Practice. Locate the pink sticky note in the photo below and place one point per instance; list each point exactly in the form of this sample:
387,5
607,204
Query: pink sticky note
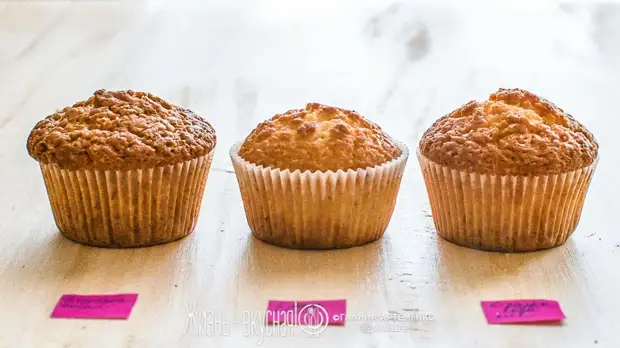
317,312
95,306
521,311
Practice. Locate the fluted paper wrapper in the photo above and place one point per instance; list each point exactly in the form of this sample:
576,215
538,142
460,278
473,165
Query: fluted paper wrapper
505,212
318,210
127,208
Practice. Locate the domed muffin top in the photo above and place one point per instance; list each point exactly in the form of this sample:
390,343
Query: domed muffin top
319,138
120,130
513,133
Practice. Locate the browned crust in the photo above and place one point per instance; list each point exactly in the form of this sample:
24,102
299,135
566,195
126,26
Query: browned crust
320,138
120,130
513,133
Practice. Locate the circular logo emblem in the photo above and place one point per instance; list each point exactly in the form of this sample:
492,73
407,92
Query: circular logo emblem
313,319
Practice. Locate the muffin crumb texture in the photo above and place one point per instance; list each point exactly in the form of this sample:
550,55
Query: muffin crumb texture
120,130
513,133
319,138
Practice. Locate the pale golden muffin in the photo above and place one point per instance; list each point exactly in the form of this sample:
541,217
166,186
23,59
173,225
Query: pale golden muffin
319,178
124,168
321,138
507,174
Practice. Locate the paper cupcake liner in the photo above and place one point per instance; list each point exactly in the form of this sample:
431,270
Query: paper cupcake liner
127,208
318,210
505,212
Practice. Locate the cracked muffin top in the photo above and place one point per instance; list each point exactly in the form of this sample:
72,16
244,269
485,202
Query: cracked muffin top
319,138
120,130
513,133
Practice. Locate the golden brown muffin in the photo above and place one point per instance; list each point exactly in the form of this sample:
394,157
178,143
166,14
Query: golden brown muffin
514,132
320,138
319,178
124,169
120,130
507,174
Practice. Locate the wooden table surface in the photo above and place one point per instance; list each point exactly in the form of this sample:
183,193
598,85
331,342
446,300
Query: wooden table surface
237,63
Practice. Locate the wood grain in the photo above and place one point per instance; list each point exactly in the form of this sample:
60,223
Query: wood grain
402,64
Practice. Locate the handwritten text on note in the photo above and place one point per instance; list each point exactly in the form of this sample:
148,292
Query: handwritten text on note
522,311
95,306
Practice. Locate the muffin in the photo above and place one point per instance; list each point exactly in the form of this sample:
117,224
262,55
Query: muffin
124,169
318,178
508,174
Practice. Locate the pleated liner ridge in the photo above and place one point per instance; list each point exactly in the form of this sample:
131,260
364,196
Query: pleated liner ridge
505,212
319,210
127,208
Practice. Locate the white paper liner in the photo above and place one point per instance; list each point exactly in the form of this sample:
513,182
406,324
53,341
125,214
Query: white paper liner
505,212
319,210
127,208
